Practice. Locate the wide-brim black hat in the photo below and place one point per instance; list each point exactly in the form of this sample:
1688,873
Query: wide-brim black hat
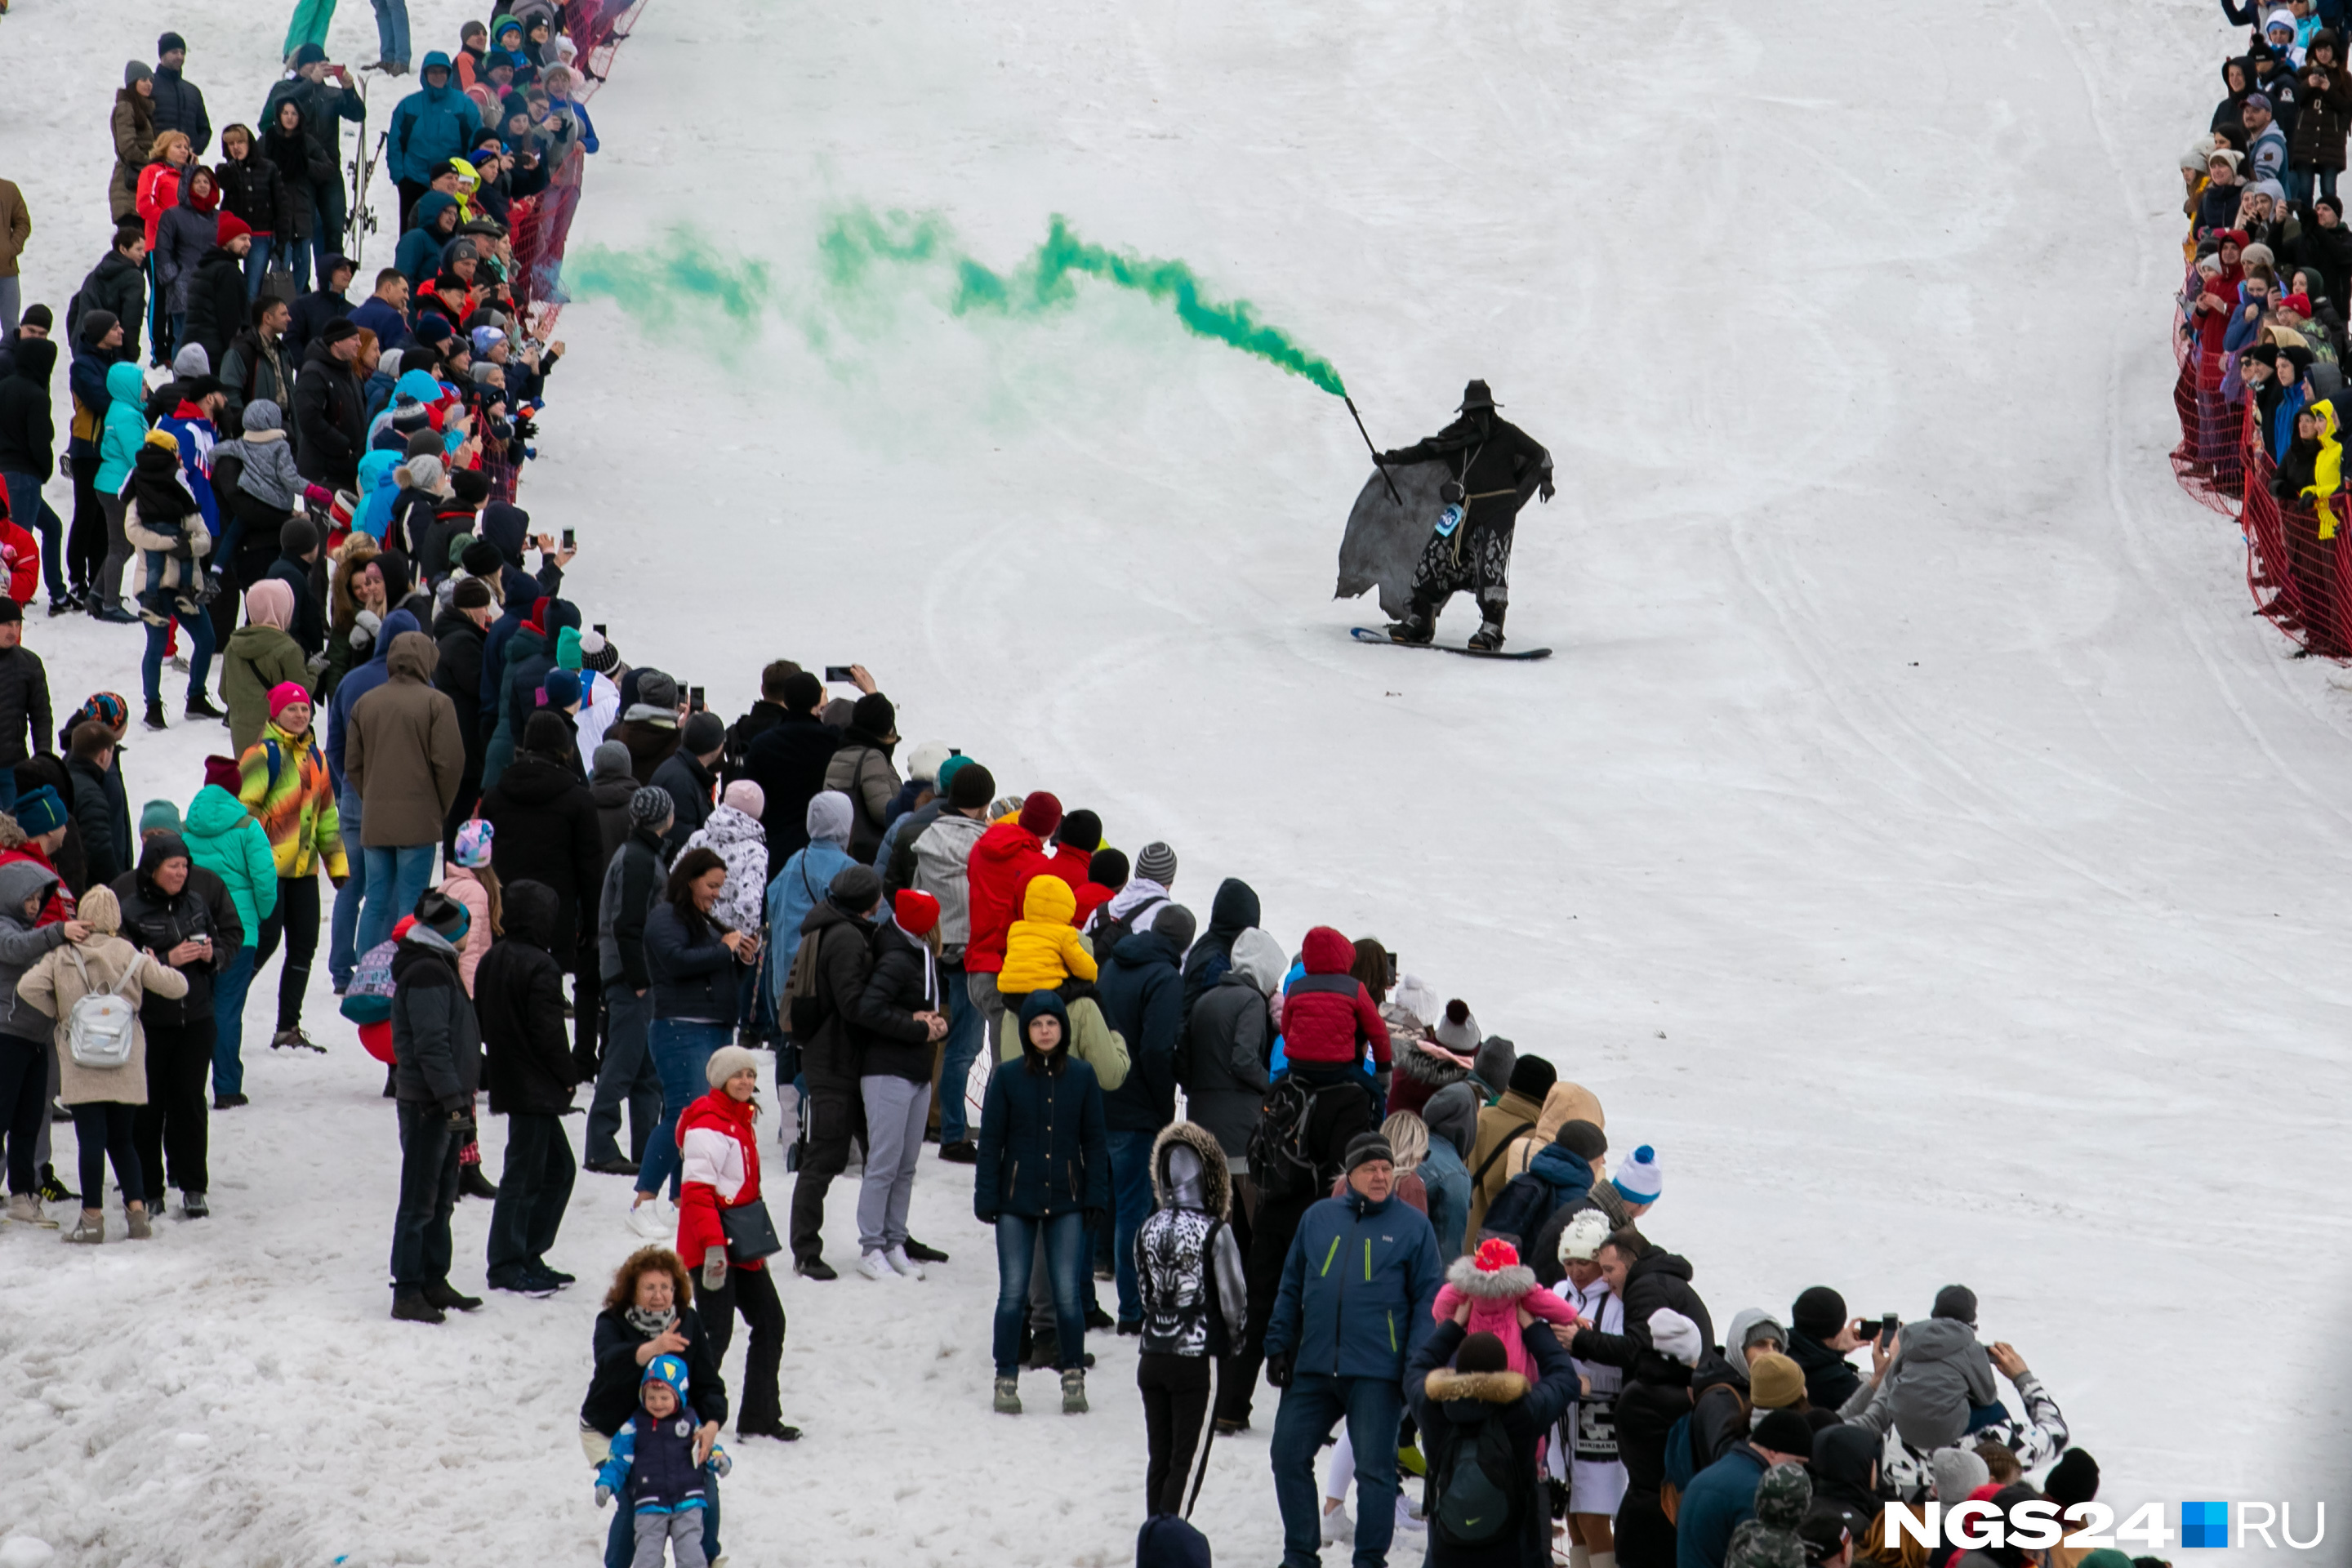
1475,395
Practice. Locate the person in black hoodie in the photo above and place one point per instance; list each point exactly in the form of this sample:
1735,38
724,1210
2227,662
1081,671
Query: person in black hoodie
436,1044
686,773
327,303
548,832
93,799
182,912
28,455
625,1073
518,994
460,631
901,1015
765,715
330,415
298,555
117,285
1821,1336
842,926
788,762
1232,912
1141,992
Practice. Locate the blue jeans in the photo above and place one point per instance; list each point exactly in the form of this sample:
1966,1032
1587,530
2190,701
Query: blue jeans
200,656
391,33
621,1540
1311,1407
681,1049
228,1021
1065,1263
397,876
965,1032
36,515
256,262
342,932
1130,1193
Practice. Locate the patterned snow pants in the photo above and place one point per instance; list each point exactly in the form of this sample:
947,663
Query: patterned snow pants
1477,560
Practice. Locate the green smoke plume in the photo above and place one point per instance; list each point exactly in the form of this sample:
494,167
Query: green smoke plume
859,249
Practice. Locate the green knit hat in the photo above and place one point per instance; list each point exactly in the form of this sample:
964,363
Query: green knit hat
159,815
567,648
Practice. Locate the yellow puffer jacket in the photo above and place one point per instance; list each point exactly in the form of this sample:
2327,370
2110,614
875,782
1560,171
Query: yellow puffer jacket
1042,948
2327,469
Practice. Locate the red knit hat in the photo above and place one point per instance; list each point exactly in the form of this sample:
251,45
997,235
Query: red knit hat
1495,1254
1041,812
917,913
229,227
222,771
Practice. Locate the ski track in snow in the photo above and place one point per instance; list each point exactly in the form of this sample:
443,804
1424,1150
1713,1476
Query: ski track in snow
1914,836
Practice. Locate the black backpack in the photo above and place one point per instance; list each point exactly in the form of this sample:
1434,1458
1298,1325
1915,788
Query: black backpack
1279,1165
1108,933
1482,1491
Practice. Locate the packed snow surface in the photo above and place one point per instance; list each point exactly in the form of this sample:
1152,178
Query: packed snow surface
1914,837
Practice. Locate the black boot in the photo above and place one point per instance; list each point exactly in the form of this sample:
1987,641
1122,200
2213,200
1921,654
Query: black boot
156,720
200,706
1488,637
472,1183
411,1307
1417,627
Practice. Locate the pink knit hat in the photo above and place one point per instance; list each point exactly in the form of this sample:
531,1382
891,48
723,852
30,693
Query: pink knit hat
285,692
746,797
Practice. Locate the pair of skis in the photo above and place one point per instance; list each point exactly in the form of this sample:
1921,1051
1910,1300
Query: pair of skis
361,221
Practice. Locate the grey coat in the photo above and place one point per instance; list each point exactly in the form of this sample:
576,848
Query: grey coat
1230,1032
22,946
1939,1373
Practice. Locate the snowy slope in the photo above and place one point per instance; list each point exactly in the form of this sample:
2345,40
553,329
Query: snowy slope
1914,837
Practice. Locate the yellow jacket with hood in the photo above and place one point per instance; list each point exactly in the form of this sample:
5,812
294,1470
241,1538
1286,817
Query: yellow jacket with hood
2327,468
1041,949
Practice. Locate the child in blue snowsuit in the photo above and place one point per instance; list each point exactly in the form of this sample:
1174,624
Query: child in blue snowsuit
653,1470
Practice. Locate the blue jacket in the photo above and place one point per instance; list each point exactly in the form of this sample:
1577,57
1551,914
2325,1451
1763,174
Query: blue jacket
1554,1178
691,979
126,429
359,682
1718,1500
1357,1288
1141,994
419,255
1044,1148
1447,1182
793,892
650,1465
390,326
196,438
432,125
86,379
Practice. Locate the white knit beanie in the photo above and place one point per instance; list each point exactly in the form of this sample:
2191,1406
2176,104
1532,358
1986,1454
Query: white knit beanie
1638,1178
727,1061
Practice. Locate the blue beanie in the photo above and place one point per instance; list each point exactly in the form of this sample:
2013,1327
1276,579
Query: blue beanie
40,811
666,1368
561,687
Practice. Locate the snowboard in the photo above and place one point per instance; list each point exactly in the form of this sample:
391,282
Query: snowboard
1366,634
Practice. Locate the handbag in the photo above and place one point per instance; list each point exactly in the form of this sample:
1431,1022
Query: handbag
750,1234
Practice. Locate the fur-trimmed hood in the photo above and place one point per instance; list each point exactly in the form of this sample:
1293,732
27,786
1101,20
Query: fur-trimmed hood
1424,1060
1446,1386
1484,1284
1216,1180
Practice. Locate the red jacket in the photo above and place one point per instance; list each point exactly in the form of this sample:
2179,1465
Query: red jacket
23,556
1326,1013
1002,860
61,903
719,1117
1092,896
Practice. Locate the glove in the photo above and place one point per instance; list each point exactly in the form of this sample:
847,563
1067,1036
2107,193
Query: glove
1097,1219
603,1495
585,1062
721,1465
1545,488
1277,1370
985,1216
714,1269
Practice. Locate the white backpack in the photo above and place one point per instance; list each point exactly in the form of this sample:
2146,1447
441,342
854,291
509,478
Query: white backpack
100,1027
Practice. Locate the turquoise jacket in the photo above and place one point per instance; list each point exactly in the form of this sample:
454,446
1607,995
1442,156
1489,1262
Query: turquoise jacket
126,429
225,840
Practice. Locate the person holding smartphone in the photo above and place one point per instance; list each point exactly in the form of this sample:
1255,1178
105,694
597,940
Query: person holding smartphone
184,915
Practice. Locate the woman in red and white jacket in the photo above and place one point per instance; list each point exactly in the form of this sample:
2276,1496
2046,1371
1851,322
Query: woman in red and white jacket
719,1158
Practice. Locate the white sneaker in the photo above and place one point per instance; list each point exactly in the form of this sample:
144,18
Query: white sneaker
653,1220
896,1258
874,1266
1338,1529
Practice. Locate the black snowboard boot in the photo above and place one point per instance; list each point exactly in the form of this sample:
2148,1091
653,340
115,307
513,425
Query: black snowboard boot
1417,627
1488,637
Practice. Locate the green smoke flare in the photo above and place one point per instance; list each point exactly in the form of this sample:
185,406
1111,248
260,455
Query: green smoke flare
685,275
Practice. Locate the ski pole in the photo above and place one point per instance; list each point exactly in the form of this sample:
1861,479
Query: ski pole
1375,451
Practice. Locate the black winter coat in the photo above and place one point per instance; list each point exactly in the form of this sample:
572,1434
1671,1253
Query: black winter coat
1231,1037
632,880
844,961
29,437
23,705
613,1387
905,981
1829,1379
764,716
180,106
116,285
518,998
159,922
329,421
93,810
312,311
688,783
459,674
1044,1147
1488,457
693,974
546,832
437,1041
250,188
303,170
1141,994
1658,1279
788,762
216,306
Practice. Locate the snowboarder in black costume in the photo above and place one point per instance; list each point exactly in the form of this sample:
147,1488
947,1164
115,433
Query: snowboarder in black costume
1497,466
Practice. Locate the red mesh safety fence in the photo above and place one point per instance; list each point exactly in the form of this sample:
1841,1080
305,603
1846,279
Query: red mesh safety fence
542,223
596,28
2298,552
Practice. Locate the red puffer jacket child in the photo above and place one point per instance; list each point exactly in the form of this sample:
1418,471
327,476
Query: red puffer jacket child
997,875
1326,1013
718,1150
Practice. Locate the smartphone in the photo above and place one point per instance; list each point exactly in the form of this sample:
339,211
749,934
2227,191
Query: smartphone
1887,1327
600,629
838,672
568,540
1392,969
694,698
